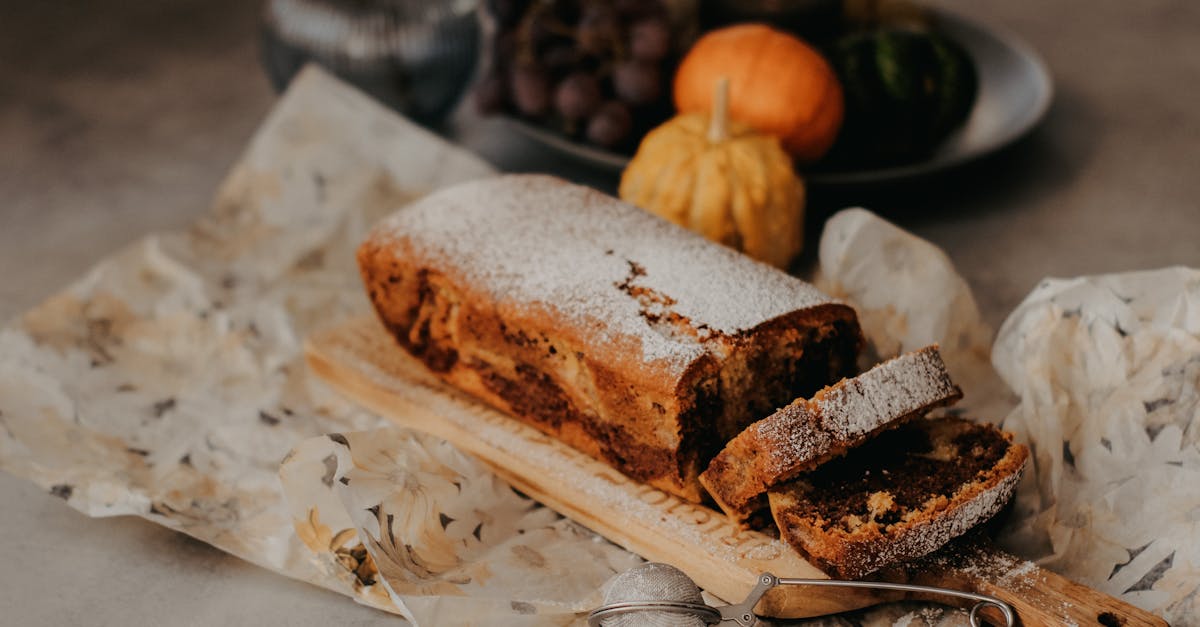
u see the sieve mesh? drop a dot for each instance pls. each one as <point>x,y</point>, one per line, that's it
<point>652,582</point>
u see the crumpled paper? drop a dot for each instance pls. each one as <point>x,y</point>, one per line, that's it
<point>1108,371</point>
<point>168,383</point>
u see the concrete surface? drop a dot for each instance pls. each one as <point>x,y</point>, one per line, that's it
<point>120,118</point>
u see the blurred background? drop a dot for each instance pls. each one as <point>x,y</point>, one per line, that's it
<point>120,118</point>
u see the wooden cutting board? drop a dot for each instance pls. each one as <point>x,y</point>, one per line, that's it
<point>360,360</point>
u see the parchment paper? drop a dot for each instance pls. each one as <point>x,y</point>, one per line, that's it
<point>1108,371</point>
<point>167,383</point>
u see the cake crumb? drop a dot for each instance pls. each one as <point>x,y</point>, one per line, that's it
<point>880,503</point>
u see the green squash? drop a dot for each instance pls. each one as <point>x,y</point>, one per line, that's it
<point>906,91</point>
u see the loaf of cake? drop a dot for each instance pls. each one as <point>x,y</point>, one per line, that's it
<point>807,433</point>
<point>625,336</point>
<point>899,496</point>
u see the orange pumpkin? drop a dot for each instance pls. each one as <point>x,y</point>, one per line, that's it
<point>778,85</point>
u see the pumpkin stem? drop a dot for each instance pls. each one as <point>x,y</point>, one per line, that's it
<point>718,123</point>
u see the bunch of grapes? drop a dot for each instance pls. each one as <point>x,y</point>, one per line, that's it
<point>592,69</point>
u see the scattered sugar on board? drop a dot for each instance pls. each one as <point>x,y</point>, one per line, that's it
<point>536,239</point>
<point>1021,577</point>
<point>1004,570</point>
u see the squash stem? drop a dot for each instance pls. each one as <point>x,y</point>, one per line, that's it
<point>718,123</point>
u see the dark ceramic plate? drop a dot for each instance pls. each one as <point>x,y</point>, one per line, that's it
<point>1015,91</point>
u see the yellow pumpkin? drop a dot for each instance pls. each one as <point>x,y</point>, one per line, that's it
<point>723,180</point>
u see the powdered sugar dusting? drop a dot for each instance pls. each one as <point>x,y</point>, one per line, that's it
<point>793,438</point>
<point>906,386</point>
<point>597,262</point>
<point>910,383</point>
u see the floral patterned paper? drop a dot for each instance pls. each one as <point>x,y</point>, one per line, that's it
<point>168,382</point>
<point>443,533</point>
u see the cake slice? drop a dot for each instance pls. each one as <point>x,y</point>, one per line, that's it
<point>807,433</point>
<point>900,496</point>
